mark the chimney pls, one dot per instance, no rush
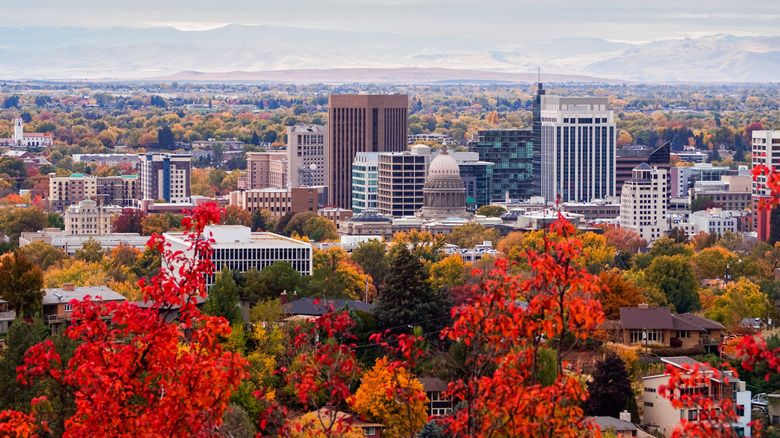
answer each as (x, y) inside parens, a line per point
(68, 286)
(643, 306)
(295, 295)
(283, 298)
(625, 416)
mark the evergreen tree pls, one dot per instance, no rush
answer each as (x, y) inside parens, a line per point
(165, 138)
(408, 298)
(610, 388)
(21, 336)
(774, 226)
(223, 298)
(255, 139)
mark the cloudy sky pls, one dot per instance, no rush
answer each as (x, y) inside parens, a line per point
(512, 20)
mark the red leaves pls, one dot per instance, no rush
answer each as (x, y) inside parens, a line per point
(138, 375)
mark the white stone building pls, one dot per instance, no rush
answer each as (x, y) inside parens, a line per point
(643, 202)
(23, 139)
(238, 248)
(88, 218)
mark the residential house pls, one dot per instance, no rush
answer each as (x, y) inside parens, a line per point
(438, 405)
(6, 317)
(369, 428)
(657, 325)
(320, 306)
(661, 416)
(621, 427)
(57, 307)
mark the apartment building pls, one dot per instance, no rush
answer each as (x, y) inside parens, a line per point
(643, 206)
(266, 170)
(64, 191)
(88, 218)
(165, 176)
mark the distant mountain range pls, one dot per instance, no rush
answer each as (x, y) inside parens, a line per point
(278, 53)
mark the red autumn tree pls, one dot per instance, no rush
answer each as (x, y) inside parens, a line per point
(502, 336)
(135, 374)
(129, 221)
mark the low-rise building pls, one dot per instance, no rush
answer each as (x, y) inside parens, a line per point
(658, 326)
(108, 159)
(335, 214)
(89, 218)
(278, 201)
(69, 243)
(238, 248)
(660, 415)
(57, 307)
(64, 191)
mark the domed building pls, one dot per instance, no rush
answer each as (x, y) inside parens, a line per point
(444, 195)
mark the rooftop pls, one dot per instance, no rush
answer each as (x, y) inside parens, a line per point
(59, 295)
(307, 306)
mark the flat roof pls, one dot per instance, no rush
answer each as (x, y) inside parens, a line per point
(59, 295)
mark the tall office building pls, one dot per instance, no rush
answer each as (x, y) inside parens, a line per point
(643, 203)
(307, 155)
(400, 182)
(575, 148)
(628, 157)
(266, 170)
(512, 151)
(365, 180)
(165, 176)
(361, 123)
(766, 152)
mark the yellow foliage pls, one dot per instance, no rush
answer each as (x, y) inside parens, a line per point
(314, 424)
(450, 271)
(78, 272)
(404, 417)
(628, 353)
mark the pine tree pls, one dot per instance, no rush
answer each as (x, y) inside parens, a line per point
(774, 226)
(610, 388)
(408, 299)
(223, 299)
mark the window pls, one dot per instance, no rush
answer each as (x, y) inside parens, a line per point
(649, 389)
(693, 415)
(369, 431)
(648, 404)
(68, 307)
(740, 410)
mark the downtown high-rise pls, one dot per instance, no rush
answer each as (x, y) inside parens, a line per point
(361, 123)
(574, 148)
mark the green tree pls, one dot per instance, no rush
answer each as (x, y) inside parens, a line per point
(297, 222)
(56, 220)
(610, 388)
(262, 220)
(21, 336)
(372, 257)
(276, 278)
(742, 299)
(90, 251)
(662, 247)
(16, 221)
(44, 255)
(218, 150)
(491, 210)
(673, 275)
(223, 299)
(408, 298)
(471, 234)
(20, 283)
(320, 228)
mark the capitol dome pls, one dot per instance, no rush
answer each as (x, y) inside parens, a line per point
(444, 165)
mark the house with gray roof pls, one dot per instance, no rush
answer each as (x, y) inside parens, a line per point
(57, 307)
(658, 325)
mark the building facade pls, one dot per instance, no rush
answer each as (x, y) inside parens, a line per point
(365, 181)
(400, 181)
(576, 148)
(87, 218)
(628, 157)
(266, 170)
(643, 203)
(766, 152)
(307, 155)
(361, 123)
(511, 151)
(108, 159)
(165, 176)
(21, 139)
(444, 194)
(69, 243)
(238, 248)
(278, 201)
(120, 191)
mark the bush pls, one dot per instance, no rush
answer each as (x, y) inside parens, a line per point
(675, 343)
(669, 351)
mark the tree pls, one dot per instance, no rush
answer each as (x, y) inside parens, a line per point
(56, 220)
(375, 400)
(703, 203)
(662, 247)
(44, 255)
(262, 220)
(472, 234)
(90, 251)
(450, 272)
(15, 221)
(20, 283)
(236, 215)
(712, 262)
(678, 235)
(616, 293)
(165, 138)
(176, 378)
(673, 275)
(320, 229)
(408, 299)
(155, 224)
(742, 299)
(130, 220)
(277, 278)
(372, 256)
(222, 299)
(610, 388)
(296, 223)
(501, 340)
(624, 239)
(218, 152)
(491, 210)
(21, 336)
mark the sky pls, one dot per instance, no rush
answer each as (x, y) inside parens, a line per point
(507, 20)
